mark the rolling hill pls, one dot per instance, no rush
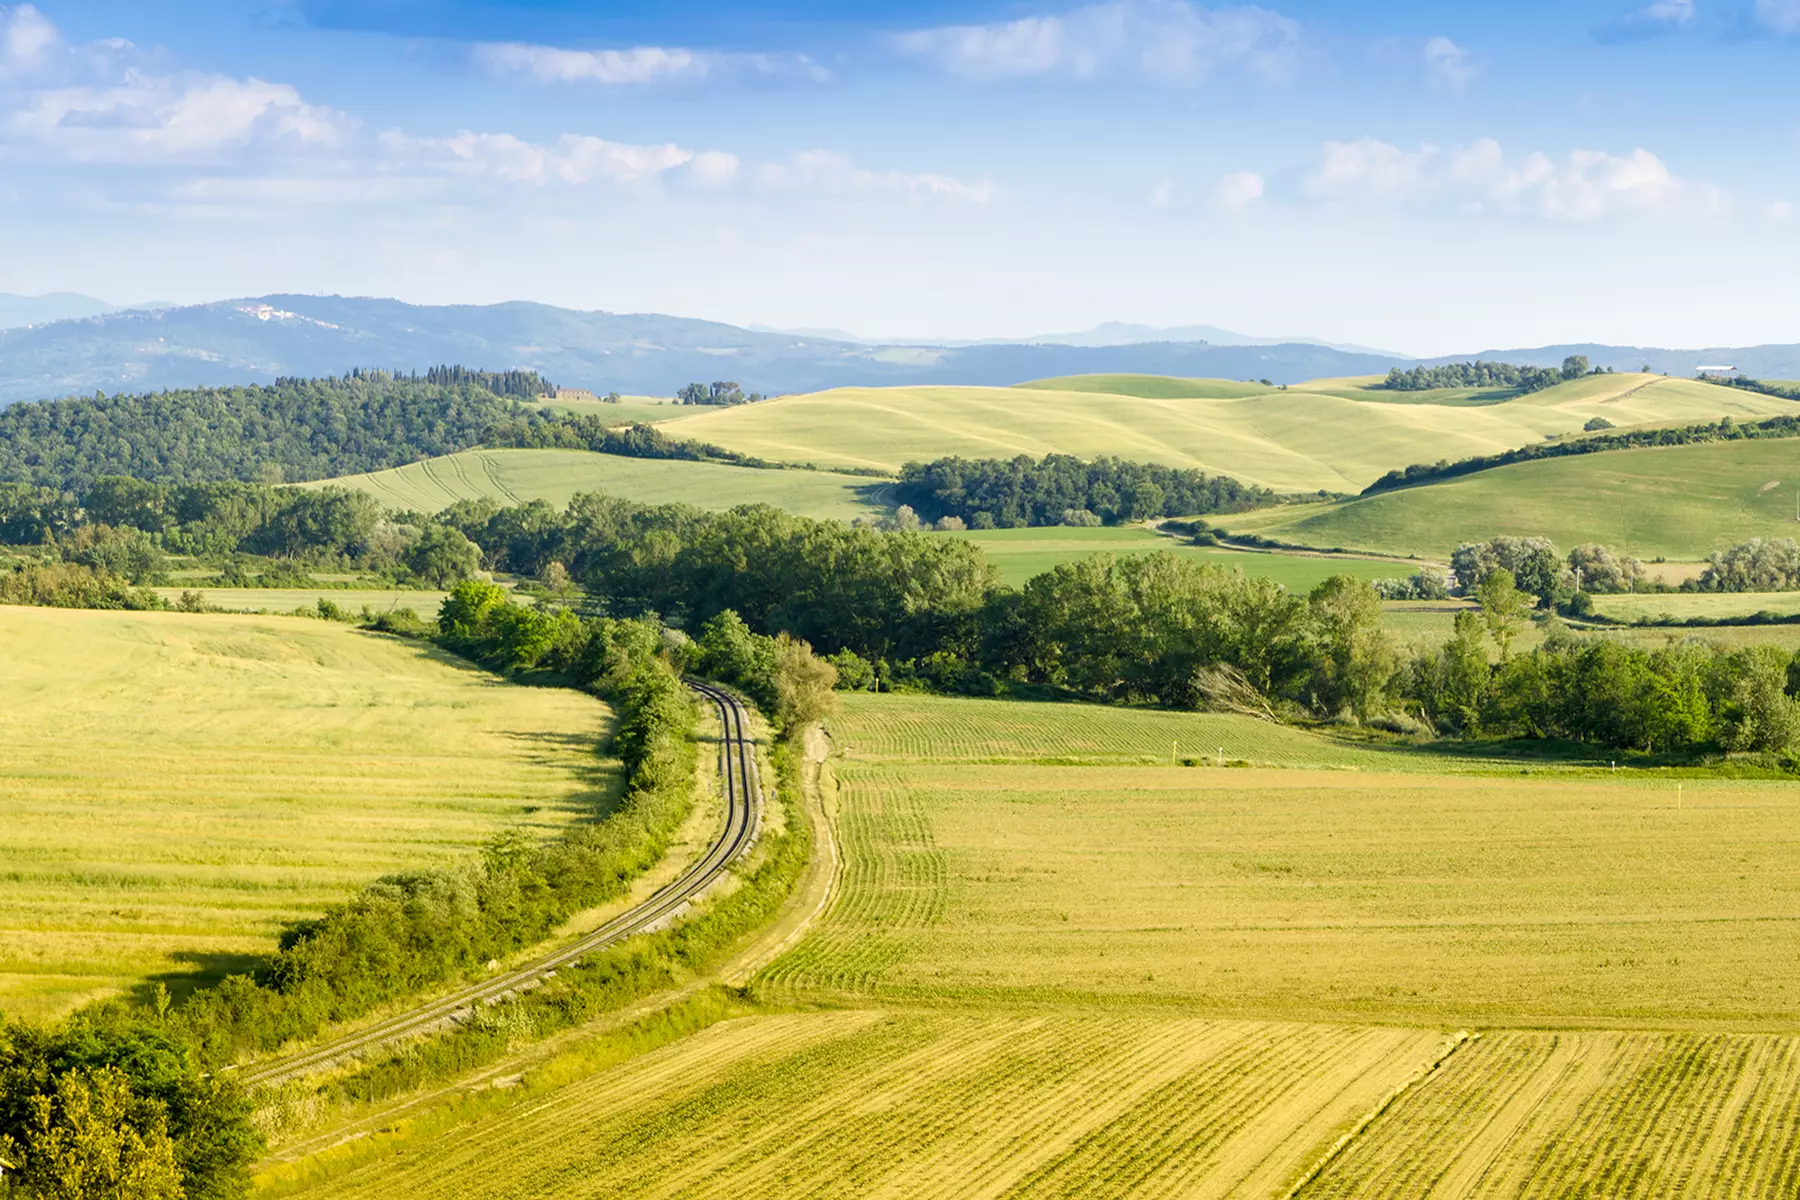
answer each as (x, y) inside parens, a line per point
(1295, 440)
(518, 476)
(1678, 502)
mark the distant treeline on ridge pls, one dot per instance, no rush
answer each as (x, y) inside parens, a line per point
(993, 493)
(1480, 374)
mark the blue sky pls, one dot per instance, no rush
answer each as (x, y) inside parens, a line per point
(1434, 178)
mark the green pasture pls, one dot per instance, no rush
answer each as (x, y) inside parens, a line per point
(175, 789)
(1678, 502)
(286, 600)
(1711, 606)
(1019, 554)
(1291, 441)
(517, 476)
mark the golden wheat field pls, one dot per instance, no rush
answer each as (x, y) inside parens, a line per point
(175, 788)
(1056, 966)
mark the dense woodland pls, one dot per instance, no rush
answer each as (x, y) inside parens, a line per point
(1480, 374)
(993, 493)
(292, 430)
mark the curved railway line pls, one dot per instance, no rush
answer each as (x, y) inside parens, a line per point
(743, 810)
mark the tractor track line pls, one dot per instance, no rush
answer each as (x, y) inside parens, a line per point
(743, 808)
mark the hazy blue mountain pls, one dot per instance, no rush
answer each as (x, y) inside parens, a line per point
(256, 340)
(56, 306)
(1758, 362)
(1110, 333)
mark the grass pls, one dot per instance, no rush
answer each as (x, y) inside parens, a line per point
(1049, 972)
(630, 410)
(517, 476)
(1293, 441)
(286, 600)
(1712, 606)
(1020, 554)
(1679, 502)
(176, 788)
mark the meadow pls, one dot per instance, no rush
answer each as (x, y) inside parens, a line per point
(517, 476)
(286, 600)
(630, 410)
(175, 788)
(1018, 554)
(1711, 606)
(1294, 440)
(1678, 502)
(1049, 973)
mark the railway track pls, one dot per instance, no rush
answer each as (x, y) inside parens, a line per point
(743, 810)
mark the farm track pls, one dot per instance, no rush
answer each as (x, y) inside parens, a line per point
(743, 807)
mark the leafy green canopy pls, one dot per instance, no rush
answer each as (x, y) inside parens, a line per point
(292, 430)
(1062, 489)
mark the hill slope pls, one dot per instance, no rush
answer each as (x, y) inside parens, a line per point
(1678, 502)
(1293, 441)
(175, 788)
(517, 476)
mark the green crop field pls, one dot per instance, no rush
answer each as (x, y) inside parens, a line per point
(1292, 441)
(1019, 554)
(518, 476)
(630, 410)
(1047, 972)
(175, 788)
(1679, 502)
(286, 600)
(1712, 606)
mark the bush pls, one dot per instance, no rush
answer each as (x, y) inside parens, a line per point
(1595, 424)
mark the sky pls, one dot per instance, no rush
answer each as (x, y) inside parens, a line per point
(1431, 178)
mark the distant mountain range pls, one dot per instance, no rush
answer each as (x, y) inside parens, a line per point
(1110, 333)
(256, 340)
(19, 311)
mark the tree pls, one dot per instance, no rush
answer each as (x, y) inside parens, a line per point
(442, 557)
(1760, 713)
(127, 553)
(90, 1138)
(1503, 609)
(1575, 366)
(1357, 660)
(805, 686)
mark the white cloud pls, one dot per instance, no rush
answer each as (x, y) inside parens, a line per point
(639, 65)
(1779, 16)
(1167, 41)
(1778, 212)
(1240, 189)
(1651, 20)
(299, 190)
(1370, 170)
(26, 39)
(1667, 12)
(1162, 195)
(825, 171)
(150, 117)
(713, 168)
(1585, 185)
(1447, 65)
(572, 159)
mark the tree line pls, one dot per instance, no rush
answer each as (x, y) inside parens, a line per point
(721, 391)
(1061, 489)
(289, 431)
(1480, 374)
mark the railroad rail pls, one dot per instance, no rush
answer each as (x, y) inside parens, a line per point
(743, 812)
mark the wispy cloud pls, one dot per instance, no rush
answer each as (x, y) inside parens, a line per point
(1652, 20)
(835, 174)
(639, 65)
(574, 159)
(1447, 65)
(146, 118)
(26, 39)
(1780, 17)
(1240, 189)
(1585, 185)
(1163, 41)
